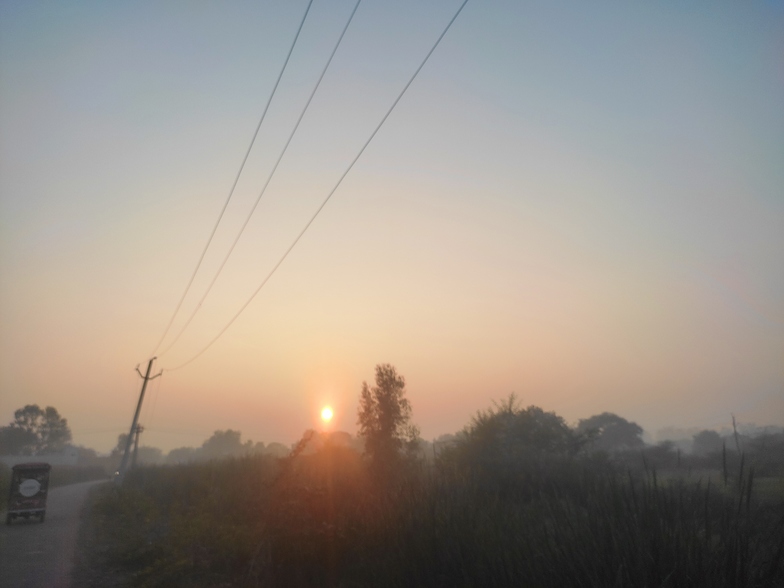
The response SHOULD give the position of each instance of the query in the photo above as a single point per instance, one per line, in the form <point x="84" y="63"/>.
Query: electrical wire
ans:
<point x="156" y="393"/>
<point x="324" y="203"/>
<point x="269" y="178"/>
<point x="234" y="184"/>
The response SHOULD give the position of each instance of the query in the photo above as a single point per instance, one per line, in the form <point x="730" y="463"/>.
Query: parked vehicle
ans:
<point x="29" y="488"/>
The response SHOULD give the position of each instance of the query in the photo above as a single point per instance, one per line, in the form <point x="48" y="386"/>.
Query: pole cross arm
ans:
<point x="143" y="377"/>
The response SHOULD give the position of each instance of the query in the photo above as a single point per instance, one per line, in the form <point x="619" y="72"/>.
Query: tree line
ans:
<point x="387" y="436"/>
<point x="516" y="498"/>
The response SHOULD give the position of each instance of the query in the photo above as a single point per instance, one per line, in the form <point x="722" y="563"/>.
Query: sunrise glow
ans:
<point x="326" y="414"/>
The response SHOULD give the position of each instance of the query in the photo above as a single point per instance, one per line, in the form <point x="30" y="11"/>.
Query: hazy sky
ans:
<point x="581" y="203"/>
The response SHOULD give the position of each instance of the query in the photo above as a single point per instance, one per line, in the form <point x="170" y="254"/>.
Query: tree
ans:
<point x="224" y="444"/>
<point x="35" y="431"/>
<point x="16" y="441"/>
<point x="707" y="442"/>
<point x="384" y="417"/>
<point x="507" y="433"/>
<point x="119" y="449"/>
<point x="182" y="455"/>
<point x="149" y="455"/>
<point x="611" y="432"/>
<point x="145" y="454"/>
<point x="276" y="449"/>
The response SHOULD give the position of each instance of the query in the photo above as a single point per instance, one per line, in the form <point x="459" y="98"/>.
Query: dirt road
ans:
<point x="40" y="555"/>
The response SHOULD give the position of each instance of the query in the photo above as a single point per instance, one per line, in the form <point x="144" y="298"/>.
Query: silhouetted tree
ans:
<point x="119" y="449"/>
<point x="35" y="431"/>
<point x="384" y="417"/>
<point x="146" y="453"/>
<point x="611" y="432"/>
<point x="276" y="449"/>
<point x="182" y="455"/>
<point x="224" y="444"/>
<point x="16" y="441"/>
<point x="707" y="442"/>
<point x="507" y="432"/>
<point x="516" y="451"/>
<point x="149" y="455"/>
<point x="662" y="455"/>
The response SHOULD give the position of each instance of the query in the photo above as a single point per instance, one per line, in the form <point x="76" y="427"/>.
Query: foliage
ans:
<point x="506" y="437"/>
<point x="145" y="453"/>
<point x="35" y="431"/>
<point x="226" y="443"/>
<point x="384" y="417"/>
<point x="317" y="520"/>
<point x="663" y="455"/>
<point x="767" y="453"/>
<point x="609" y="432"/>
<point x="17" y="441"/>
<point x="510" y="501"/>
<point x="276" y="449"/>
<point x="182" y="455"/>
<point x="707" y="442"/>
<point x="220" y="445"/>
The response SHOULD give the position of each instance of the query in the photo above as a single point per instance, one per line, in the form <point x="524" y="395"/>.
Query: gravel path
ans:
<point x="40" y="555"/>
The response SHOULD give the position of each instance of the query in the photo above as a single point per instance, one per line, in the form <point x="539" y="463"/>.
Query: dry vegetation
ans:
<point x="325" y="520"/>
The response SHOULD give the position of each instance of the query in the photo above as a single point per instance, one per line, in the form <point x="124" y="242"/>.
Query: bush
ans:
<point x="322" y="520"/>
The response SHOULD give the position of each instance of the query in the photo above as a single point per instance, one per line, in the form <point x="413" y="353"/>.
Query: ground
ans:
<point x="40" y="555"/>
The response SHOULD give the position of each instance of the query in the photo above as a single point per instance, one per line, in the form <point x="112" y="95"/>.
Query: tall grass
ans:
<point x="321" y="520"/>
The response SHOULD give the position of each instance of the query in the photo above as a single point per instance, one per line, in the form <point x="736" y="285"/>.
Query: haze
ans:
<point x="583" y="204"/>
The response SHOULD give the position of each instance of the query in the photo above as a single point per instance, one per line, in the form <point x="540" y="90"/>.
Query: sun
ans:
<point x="326" y="414"/>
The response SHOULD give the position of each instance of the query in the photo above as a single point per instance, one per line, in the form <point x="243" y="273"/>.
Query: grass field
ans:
<point x="322" y="520"/>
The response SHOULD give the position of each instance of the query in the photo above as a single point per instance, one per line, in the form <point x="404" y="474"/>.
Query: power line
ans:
<point x="234" y="184"/>
<point x="269" y="178"/>
<point x="156" y="393"/>
<point x="324" y="203"/>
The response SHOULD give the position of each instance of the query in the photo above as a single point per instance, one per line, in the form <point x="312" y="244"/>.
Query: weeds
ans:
<point x="322" y="520"/>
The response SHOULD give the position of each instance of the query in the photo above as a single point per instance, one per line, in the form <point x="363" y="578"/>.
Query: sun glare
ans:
<point x="326" y="414"/>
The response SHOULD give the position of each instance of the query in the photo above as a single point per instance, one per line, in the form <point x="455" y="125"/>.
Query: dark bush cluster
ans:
<point x="322" y="519"/>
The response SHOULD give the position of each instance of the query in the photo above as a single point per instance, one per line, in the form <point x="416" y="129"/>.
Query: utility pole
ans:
<point x="139" y="431"/>
<point x="124" y="464"/>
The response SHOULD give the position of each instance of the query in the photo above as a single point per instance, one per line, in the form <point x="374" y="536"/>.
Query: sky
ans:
<point x="580" y="203"/>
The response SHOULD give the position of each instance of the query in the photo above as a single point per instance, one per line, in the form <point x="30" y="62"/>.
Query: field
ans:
<point x="327" y="520"/>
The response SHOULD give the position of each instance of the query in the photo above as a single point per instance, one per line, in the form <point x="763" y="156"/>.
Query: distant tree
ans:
<point x="225" y="444"/>
<point x="119" y="449"/>
<point x="16" y="441"/>
<point x="146" y="454"/>
<point x="276" y="449"/>
<point x="149" y="455"/>
<point x="87" y="455"/>
<point x="662" y="455"/>
<point x="384" y="417"/>
<point x="182" y="455"/>
<point x="707" y="442"/>
<point x="35" y="431"/>
<point x="337" y="438"/>
<point x="318" y="440"/>
<point x="507" y="433"/>
<point x="611" y="432"/>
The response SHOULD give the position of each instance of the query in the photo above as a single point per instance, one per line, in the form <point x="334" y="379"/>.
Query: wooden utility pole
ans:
<point x="139" y="431"/>
<point x="124" y="464"/>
